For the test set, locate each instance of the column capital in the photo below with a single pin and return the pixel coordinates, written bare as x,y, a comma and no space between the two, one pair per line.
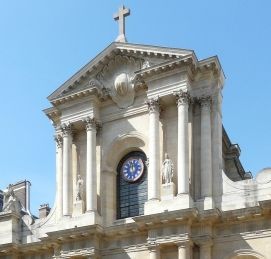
182,97
153,246
59,140
66,129
153,105
205,101
91,123
184,243
205,241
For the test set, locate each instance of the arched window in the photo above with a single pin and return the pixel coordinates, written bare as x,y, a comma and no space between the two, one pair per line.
132,185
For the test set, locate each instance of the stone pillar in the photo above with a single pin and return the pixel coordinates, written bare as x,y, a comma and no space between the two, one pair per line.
184,250
206,250
183,151
206,151
67,177
154,150
154,252
59,174
91,171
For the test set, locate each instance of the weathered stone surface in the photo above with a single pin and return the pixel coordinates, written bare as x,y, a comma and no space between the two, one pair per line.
124,101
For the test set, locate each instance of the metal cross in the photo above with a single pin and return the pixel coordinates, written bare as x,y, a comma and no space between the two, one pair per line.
120,17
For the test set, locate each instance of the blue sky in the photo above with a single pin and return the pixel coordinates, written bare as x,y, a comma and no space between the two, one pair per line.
43,43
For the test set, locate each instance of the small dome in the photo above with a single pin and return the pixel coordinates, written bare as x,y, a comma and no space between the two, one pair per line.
264,176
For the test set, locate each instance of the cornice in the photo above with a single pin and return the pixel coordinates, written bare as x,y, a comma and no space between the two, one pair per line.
244,214
100,94
242,235
79,252
75,233
113,49
190,60
52,113
153,220
9,248
212,63
8,215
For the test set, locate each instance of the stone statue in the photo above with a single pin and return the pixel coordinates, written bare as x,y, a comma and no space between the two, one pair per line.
10,201
79,188
167,173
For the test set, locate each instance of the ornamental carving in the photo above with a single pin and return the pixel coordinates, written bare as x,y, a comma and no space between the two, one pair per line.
10,201
153,105
118,77
91,123
205,101
182,97
59,140
66,129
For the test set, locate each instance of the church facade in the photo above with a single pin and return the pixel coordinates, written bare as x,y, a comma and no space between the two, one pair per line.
145,168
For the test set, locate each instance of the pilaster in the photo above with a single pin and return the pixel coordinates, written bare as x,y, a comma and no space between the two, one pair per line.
206,152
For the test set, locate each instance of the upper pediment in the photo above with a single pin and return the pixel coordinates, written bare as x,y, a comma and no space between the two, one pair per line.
119,62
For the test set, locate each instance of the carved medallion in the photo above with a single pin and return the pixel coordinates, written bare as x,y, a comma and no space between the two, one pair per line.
117,76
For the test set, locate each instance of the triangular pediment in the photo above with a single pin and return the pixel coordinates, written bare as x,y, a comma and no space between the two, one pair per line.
115,59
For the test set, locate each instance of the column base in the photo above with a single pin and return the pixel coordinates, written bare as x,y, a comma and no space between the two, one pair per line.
78,208
168,191
184,201
152,206
206,203
179,202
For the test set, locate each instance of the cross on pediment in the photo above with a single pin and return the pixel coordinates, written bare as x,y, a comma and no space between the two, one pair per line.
120,17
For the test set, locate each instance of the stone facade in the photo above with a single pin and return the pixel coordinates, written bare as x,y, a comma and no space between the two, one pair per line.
114,122
1,200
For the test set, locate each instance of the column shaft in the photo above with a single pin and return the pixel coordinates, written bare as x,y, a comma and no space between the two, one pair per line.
206,150
154,253
205,251
67,190
59,174
91,172
184,251
154,151
183,156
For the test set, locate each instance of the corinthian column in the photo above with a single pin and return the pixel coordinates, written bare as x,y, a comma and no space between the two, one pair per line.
154,150
59,173
91,172
67,177
206,152
183,159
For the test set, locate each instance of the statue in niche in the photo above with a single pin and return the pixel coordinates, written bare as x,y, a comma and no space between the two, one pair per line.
79,188
167,172
10,200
